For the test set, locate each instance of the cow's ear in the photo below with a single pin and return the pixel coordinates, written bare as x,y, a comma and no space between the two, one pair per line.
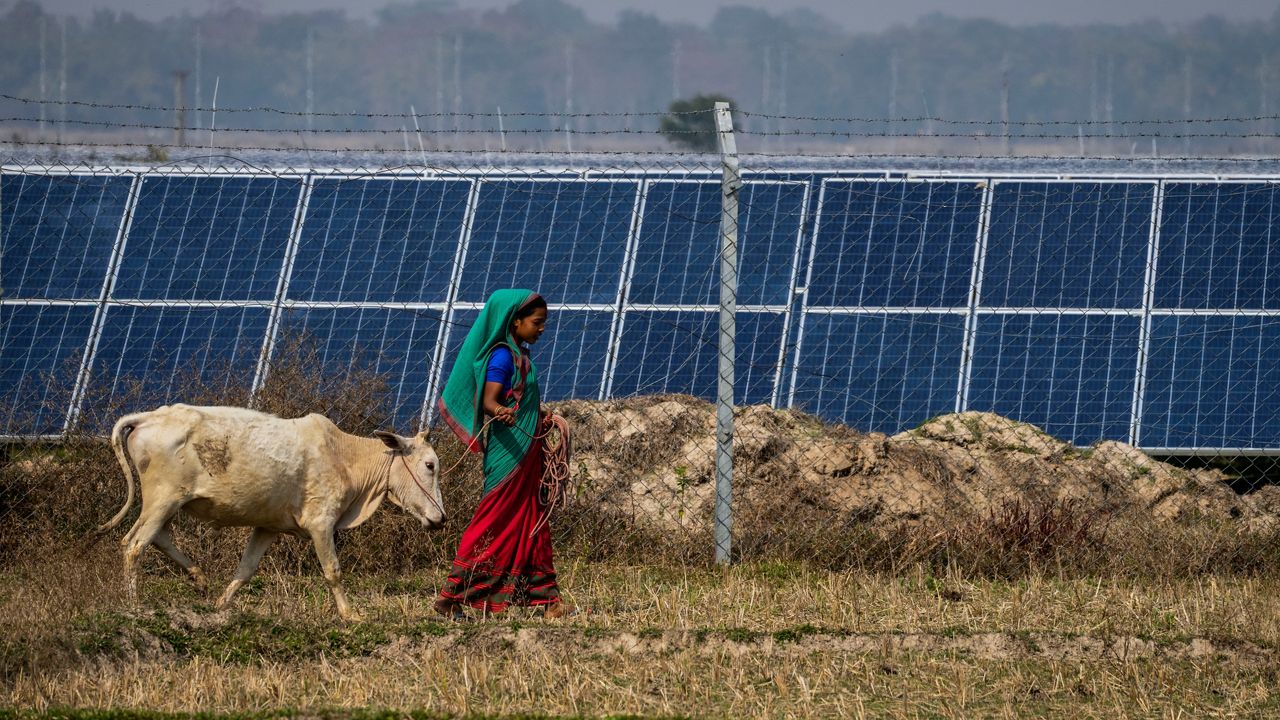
390,439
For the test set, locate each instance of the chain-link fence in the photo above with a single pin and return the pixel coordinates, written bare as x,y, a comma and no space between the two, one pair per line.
974,367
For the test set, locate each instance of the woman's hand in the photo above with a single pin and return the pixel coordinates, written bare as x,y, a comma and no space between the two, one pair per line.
494,407
505,415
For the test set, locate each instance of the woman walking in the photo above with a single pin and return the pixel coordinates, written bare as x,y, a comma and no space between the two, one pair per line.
491,402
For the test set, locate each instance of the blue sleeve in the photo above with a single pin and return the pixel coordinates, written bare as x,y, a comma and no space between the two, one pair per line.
501,368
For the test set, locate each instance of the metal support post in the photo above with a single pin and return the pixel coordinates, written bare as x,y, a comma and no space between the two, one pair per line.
731,182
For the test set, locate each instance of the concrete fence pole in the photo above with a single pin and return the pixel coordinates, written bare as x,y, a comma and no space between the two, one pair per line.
731,182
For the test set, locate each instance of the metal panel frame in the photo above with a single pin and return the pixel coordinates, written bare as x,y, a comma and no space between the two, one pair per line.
624,290
100,314
964,382
1144,330
282,290
435,379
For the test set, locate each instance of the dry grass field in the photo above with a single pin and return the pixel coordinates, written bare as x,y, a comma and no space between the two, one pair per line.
972,567
779,639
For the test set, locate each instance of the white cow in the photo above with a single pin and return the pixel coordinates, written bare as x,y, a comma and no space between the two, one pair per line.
236,467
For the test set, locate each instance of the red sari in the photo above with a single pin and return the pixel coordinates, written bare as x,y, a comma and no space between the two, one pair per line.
501,560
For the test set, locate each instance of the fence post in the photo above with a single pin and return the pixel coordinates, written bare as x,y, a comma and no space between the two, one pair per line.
729,186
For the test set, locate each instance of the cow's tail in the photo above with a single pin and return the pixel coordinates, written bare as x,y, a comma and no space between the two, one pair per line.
120,444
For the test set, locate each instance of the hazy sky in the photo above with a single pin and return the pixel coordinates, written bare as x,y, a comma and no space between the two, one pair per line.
865,15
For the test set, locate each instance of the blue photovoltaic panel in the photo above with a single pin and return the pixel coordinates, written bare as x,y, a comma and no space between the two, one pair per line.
895,244
758,348
168,353
58,232
676,352
1212,382
569,357
1070,375
571,354
1217,247
395,344
882,373
567,240
379,240
1067,245
769,220
208,238
41,348
678,257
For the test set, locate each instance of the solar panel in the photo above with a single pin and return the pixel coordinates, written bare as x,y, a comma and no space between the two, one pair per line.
1212,381
1072,375
41,348
676,352
881,316
565,239
1067,244
396,344
571,354
894,244
677,258
1217,248
379,240
154,355
458,326
879,372
208,238
58,232
758,346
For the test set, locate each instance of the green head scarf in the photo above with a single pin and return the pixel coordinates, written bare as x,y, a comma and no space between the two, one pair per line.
460,403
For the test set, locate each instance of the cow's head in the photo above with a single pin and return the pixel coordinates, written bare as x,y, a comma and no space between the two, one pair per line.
414,482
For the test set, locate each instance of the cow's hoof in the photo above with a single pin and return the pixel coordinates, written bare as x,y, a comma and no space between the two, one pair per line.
197,577
352,617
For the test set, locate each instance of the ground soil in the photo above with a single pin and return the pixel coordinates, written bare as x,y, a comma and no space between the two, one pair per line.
654,459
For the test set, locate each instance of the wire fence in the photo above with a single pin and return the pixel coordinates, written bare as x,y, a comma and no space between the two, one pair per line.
88,129
995,369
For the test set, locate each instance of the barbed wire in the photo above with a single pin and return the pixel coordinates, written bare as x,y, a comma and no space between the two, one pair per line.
322,114
1007,136
562,129
359,131
711,157
1011,122
745,113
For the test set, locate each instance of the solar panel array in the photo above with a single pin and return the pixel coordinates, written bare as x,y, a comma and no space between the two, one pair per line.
1136,309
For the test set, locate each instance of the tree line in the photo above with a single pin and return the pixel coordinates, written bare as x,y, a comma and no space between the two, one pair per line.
546,56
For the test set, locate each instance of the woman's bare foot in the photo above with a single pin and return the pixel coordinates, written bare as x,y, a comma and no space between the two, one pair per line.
448,608
559,609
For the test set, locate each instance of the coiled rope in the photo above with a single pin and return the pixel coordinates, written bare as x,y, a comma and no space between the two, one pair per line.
557,448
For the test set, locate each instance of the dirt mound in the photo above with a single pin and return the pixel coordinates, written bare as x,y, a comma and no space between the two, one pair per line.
654,459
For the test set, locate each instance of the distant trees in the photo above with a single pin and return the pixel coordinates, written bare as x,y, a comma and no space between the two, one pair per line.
442,56
690,123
